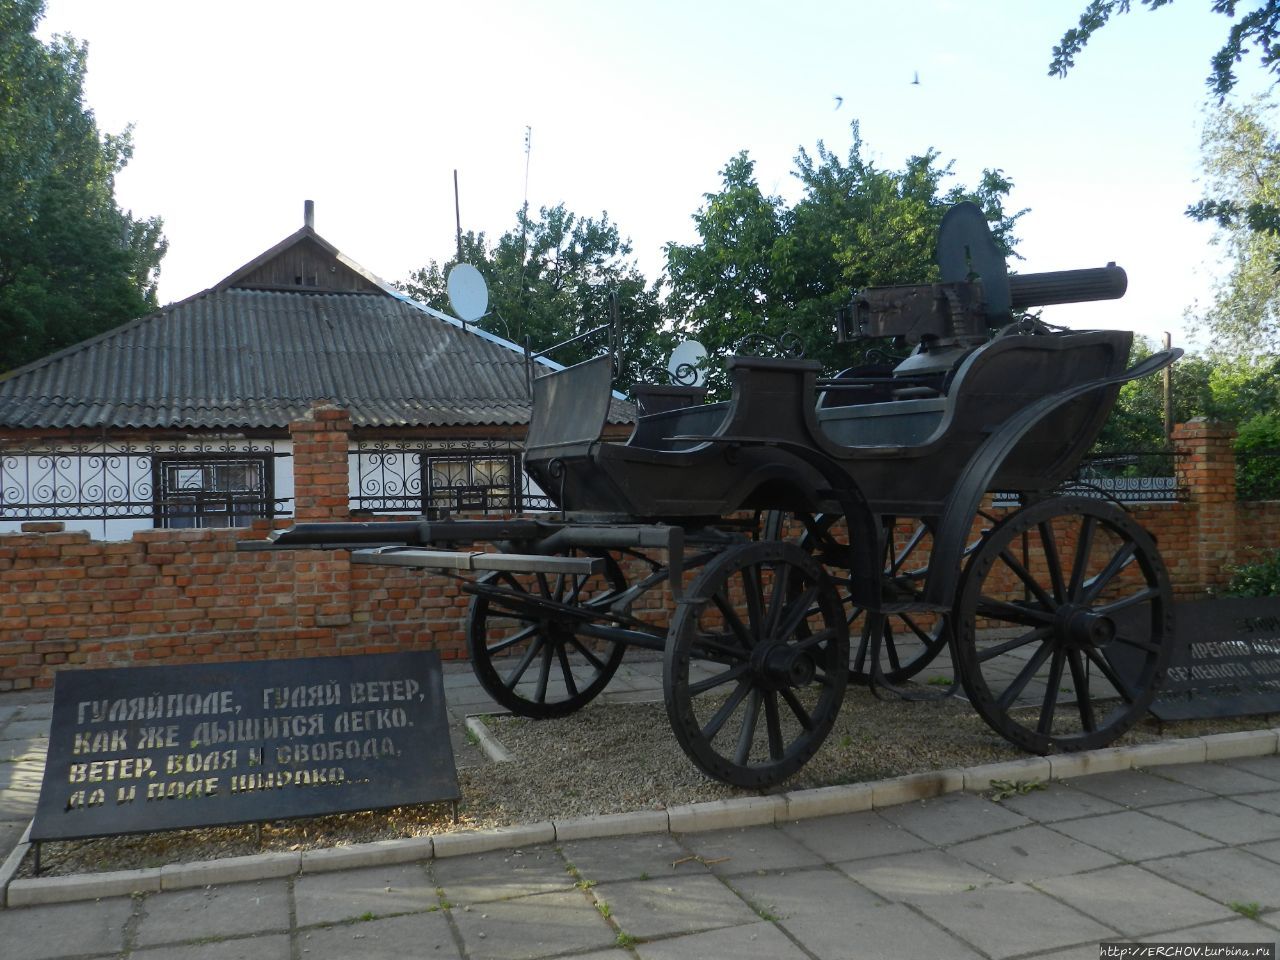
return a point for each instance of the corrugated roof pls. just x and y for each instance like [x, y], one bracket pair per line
[239, 358]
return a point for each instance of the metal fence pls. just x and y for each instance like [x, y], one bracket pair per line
[176, 483]
[437, 477]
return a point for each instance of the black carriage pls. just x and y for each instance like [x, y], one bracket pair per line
[810, 530]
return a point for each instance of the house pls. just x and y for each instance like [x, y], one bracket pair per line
[179, 418]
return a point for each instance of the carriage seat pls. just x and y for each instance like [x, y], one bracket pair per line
[888, 423]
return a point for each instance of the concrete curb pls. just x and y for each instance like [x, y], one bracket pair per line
[711, 815]
[494, 750]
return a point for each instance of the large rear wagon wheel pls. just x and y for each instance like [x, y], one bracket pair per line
[1065, 619]
[532, 658]
[756, 663]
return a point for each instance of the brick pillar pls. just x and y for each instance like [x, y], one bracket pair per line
[320, 474]
[1206, 471]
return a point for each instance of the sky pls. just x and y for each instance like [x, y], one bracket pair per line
[244, 109]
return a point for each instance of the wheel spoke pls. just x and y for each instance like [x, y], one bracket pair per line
[774, 725]
[586, 652]
[993, 609]
[1084, 700]
[1146, 646]
[1113, 677]
[710, 683]
[990, 653]
[570, 685]
[1115, 606]
[518, 637]
[890, 647]
[796, 614]
[753, 591]
[1050, 702]
[1084, 546]
[917, 537]
[726, 710]
[1022, 574]
[514, 676]
[778, 602]
[1053, 562]
[1122, 558]
[747, 733]
[797, 708]
[544, 673]
[1019, 683]
[734, 621]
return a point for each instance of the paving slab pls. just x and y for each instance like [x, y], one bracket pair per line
[38, 710]
[1013, 918]
[1266, 802]
[1221, 778]
[376, 891]
[501, 874]
[888, 931]
[1266, 766]
[655, 908]
[1031, 853]
[26, 750]
[1223, 819]
[275, 947]
[630, 858]
[1136, 788]
[1269, 850]
[754, 941]
[953, 818]
[392, 938]
[528, 927]
[1132, 901]
[64, 929]
[1135, 835]
[236, 909]
[1227, 874]
[916, 877]
[749, 849]
[22, 729]
[852, 835]
[1059, 801]
[1240, 930]
[790, 895]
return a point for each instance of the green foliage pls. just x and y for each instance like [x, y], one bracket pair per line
[1258, 458]
[1258, 579]
[1217, 386]
[1241, 158]
[550, 278]
[72, 264]
[763, 268]
[1259, 27]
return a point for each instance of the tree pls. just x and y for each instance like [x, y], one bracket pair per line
[762, 268]
[72, 264]
[1259, 27]
[1242, 196]
[551, 278]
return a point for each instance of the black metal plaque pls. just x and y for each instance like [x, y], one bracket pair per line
[157, 748]
[1227, 662]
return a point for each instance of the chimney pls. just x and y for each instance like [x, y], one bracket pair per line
[309, 214]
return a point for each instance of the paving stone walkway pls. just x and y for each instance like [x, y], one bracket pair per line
[1184, 853]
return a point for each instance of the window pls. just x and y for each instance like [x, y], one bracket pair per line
[212, 491]
[482, 482]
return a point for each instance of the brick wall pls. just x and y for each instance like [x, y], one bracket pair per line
[189, 596]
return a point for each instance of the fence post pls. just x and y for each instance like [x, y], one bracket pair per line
[321, 488]
[1206, 471]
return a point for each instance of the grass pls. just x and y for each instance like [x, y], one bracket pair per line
[625, 939]
[1003, 789]
[1250, 910]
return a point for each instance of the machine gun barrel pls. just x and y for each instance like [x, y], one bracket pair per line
[1067, 286]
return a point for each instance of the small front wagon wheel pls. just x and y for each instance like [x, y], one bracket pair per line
[756, 663]
[1065, 619]
[528, 641]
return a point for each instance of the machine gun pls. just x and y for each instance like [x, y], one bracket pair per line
[976, 295]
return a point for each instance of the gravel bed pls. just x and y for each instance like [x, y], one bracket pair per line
[607, 758]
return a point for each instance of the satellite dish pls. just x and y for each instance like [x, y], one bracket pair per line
[685, 364]
[468, 293]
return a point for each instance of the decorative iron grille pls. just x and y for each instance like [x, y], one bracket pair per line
[212, 491]
[105, 480]
[435, 477]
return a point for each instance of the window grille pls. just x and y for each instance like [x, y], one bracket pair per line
[212, 492]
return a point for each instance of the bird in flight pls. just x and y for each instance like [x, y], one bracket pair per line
[839, 102]
[915, 81]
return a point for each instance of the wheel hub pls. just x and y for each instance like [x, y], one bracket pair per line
[1083, 629]
[779, 664]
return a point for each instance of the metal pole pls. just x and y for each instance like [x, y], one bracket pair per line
[1167, 375]
[457, 213]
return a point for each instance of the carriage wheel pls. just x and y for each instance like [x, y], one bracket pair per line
[909, 642]
[533, 661]
[1065, 620]
[756, 663]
